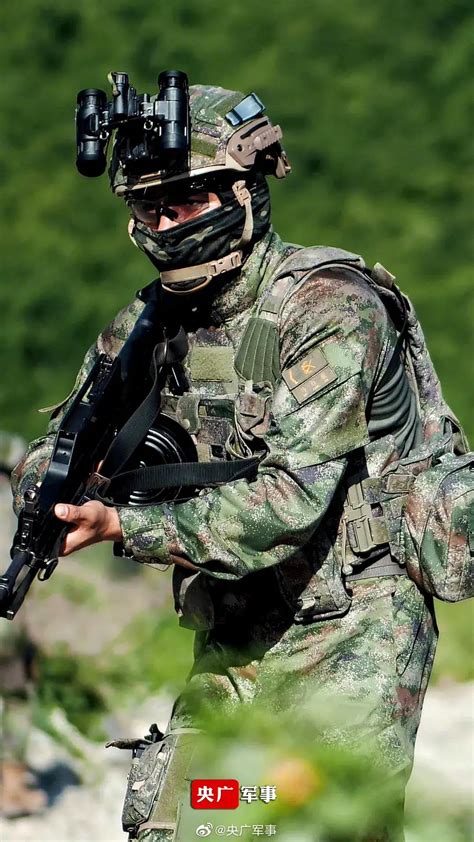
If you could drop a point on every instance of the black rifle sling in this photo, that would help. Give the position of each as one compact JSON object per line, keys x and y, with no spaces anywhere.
{"x":134,"y":430}
{"x":178,"y":474}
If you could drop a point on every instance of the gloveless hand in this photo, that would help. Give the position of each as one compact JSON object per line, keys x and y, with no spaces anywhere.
{"x":92,"y":522}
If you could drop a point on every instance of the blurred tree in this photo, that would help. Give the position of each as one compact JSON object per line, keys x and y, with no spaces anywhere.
{"x":374,"y":102}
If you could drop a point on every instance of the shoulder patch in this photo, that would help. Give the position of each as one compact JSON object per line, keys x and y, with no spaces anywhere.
{"x":309,"y":375}
{"x":305,"y":368}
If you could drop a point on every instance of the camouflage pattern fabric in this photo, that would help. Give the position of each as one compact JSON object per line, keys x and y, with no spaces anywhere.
{"x":210,"y":135}
{"x":336,"y":327}
{"x":439,"y":529}
{"x":266,"y":548}
{"x":231,"y":299}
{"x":370,"y":665}
{"x":360,"y":678}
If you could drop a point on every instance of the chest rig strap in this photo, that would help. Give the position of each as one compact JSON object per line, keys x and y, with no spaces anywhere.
{"x":366,"y":530}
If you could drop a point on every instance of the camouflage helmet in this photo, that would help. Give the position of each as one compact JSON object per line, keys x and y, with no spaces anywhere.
{"x":229,"y":132}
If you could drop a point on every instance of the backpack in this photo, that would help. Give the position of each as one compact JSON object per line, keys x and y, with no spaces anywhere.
{"x":438,"y":529}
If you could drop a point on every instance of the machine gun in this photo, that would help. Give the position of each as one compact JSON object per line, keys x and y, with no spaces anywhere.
{"x":115,"y":393}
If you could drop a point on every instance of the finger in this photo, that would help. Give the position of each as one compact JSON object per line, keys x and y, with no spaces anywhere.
{"x":71,"y":543}
{"x":71,"y":514}
{"x":76,"y":539}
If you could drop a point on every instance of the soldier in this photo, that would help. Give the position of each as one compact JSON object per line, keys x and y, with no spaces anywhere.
{"x":316,"y":366}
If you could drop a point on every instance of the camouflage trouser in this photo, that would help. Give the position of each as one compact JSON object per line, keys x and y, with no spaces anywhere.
{"x":373,"y":665}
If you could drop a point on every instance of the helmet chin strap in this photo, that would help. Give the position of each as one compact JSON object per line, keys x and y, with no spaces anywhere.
{"x":208,"y":271}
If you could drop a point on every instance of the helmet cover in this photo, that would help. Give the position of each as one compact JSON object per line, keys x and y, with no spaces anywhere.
{"x":228,"y":132}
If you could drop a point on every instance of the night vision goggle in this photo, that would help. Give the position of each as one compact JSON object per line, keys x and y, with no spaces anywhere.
{"x":149,"y":129}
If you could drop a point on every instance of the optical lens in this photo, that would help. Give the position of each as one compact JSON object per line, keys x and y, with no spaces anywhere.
{"x":176,"y":206}
{"x":180,"y":200}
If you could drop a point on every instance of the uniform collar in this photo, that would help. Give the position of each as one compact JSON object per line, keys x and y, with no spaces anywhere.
{"x":239,"y":293}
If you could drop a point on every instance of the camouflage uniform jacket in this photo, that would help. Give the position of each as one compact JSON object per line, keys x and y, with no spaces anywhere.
{"x":312,"y":432}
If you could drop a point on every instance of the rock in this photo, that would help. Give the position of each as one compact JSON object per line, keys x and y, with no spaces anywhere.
{"x":444,"y":754}
{"x":19,"y":795}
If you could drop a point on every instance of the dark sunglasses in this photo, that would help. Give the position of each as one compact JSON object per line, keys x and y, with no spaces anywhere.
{"x":180,"y":198}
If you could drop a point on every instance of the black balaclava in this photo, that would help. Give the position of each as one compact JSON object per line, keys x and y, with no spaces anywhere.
{"x":209,"y":237}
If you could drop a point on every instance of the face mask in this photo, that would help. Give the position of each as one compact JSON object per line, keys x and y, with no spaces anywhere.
{"x":211,"y":236}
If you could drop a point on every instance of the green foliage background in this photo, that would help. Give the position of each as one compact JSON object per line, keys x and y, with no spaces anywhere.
{"x":375,"y":100}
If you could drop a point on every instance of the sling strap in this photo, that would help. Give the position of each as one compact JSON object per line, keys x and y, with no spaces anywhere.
{"x":172,"y":475}
{"x":134,"y":430}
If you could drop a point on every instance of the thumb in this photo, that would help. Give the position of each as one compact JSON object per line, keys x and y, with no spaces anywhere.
{"x":69,"y":513}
